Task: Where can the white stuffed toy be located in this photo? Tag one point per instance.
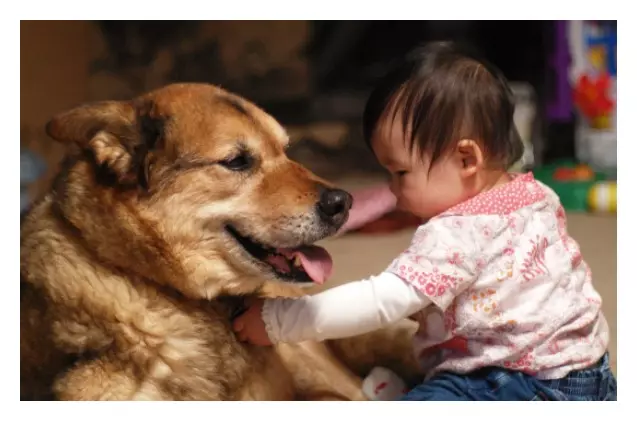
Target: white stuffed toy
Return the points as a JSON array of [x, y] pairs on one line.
[[382, 384]]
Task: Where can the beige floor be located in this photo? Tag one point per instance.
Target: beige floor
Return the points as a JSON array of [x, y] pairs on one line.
[[357, 256]]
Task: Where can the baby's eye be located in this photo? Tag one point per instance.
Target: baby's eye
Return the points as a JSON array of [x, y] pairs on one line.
[[401, 173]]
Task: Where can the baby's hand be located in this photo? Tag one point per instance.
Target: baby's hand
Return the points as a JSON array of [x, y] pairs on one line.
[[250, 327]]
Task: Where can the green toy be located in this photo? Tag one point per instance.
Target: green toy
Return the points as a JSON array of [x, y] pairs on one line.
[[571, 181]]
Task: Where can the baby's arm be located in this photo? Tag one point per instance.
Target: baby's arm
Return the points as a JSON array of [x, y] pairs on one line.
[[348, 310]]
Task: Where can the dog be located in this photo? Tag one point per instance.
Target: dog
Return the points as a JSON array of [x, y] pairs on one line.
[[171, 210]]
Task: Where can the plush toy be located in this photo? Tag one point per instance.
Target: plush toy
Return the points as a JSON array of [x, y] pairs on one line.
[[383, 384]]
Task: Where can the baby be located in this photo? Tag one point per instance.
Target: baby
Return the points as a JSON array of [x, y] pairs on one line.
[[503, 296]]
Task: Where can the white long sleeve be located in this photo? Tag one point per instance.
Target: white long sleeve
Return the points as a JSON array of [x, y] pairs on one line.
[[347, 310]]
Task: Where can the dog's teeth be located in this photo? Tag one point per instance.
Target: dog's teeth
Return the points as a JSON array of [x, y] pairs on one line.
[[297, 261]]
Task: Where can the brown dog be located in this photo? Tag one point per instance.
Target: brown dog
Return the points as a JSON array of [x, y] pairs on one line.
[[176, 205]]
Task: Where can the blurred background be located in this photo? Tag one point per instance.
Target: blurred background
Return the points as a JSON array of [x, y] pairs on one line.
[[314, 77]]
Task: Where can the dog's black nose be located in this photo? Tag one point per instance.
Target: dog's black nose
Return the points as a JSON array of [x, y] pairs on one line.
[[334, 204]]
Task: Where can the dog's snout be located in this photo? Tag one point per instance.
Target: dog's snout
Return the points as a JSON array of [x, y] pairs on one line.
[[334, 205]]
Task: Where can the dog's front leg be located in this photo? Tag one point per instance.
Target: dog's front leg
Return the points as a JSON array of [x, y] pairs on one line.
[[103, 378], [390, 347], [318, 375], [110, 378]]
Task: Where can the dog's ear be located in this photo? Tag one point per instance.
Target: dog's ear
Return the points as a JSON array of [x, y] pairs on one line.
[[118, 135]]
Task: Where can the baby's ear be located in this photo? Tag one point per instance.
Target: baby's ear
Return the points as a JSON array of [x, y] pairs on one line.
[[470, 156]]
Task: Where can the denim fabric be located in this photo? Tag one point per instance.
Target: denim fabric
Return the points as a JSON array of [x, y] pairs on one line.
[[498, 384]]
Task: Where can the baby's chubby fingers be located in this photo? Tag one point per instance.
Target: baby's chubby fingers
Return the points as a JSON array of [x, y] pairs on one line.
[[238, 324], [240, 330]]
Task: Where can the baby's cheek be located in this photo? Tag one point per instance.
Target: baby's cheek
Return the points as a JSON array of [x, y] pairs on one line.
[[401, 206], [406, 204], [423, 203]]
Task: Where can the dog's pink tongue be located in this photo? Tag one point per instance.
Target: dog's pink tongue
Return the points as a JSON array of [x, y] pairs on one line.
[[316, 261]]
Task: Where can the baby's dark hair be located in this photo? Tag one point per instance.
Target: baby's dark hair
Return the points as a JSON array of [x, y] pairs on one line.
[[445, 93]]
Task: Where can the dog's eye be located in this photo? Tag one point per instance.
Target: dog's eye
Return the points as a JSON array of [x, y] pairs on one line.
[[240, 162]]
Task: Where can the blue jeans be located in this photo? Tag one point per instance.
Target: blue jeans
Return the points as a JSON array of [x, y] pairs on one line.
[[498, 384]]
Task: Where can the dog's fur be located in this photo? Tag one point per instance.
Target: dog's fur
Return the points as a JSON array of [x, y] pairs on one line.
[[129, 278]]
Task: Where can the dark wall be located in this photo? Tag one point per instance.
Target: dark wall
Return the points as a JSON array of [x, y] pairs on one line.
[[353, 54]]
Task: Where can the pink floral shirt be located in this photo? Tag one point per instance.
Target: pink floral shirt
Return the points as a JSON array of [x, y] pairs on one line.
[[509, 285]]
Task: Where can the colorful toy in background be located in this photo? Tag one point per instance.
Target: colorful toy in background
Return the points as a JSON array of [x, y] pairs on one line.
[[580, 172], [583, 64], [591, 96], [593, 79], [580, 187], [602, 46], [602, 197], [591, 92]]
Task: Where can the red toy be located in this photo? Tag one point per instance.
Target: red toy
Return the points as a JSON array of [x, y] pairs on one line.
[[591, 97], [580, 172]]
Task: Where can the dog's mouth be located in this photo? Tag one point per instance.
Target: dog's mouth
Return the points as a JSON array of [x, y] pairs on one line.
[[303, 264]]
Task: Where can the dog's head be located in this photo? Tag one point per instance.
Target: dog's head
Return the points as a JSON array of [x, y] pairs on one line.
[[190, 185]]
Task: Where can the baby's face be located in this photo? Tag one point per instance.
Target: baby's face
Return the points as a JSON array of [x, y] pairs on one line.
[[420, 188]]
